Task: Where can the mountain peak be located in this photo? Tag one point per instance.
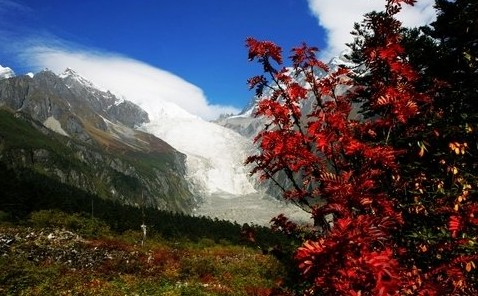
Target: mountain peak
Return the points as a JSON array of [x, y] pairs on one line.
[[70, 74], [342, 60]]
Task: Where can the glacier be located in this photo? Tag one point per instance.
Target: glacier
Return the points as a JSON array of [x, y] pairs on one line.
[[215, 167], [215, 155]]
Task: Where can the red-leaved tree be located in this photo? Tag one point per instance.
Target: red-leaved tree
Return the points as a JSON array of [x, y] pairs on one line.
[[348, 169]]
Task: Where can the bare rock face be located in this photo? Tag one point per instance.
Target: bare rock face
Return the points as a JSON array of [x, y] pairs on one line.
[[70, 99]]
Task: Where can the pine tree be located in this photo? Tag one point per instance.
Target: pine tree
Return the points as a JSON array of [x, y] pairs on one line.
[[441, 186]]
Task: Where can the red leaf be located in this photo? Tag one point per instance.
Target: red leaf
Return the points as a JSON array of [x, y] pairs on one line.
[[264, 49], [454, 225]]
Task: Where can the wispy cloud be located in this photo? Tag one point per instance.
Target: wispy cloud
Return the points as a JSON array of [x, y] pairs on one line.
[[33, 49], [148, 86], [337, 17], [8, 5], [10, 12]]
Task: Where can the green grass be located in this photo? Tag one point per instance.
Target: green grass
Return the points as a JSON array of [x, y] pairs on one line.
[[21, 134]]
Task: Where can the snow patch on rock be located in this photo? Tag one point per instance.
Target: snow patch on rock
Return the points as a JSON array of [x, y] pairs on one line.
[[53, 124]]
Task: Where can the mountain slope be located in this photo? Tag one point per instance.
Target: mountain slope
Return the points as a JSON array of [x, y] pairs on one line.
[[64, 128]]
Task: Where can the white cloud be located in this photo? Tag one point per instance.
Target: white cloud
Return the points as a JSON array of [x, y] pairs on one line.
[[337, 17], [149, 87]]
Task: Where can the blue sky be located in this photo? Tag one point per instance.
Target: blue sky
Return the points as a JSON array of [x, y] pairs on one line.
[[192, 50]]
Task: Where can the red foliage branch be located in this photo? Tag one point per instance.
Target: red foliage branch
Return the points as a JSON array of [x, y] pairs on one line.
[[345, 169]]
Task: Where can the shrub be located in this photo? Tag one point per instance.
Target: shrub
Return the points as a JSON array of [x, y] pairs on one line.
[[74, 222]]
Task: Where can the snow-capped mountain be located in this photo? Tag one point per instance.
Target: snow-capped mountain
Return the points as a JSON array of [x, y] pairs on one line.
[[71, 105], [215, 168], [6, 72]]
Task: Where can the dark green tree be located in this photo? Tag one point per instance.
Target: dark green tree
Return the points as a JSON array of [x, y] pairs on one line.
[[439, 179]]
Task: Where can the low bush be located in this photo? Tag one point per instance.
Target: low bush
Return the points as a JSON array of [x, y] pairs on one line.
[[78, 223]]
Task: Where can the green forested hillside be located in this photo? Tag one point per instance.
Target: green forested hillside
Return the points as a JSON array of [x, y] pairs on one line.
[[32, 152]]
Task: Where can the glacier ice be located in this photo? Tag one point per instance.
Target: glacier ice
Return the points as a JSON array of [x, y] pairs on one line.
[[252, 208], [215, 155], [215, 167]]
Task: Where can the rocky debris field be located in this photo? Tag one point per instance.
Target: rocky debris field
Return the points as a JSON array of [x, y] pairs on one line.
[[47, 246]]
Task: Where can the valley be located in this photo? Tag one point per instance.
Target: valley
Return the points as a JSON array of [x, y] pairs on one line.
[[65, 128]]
